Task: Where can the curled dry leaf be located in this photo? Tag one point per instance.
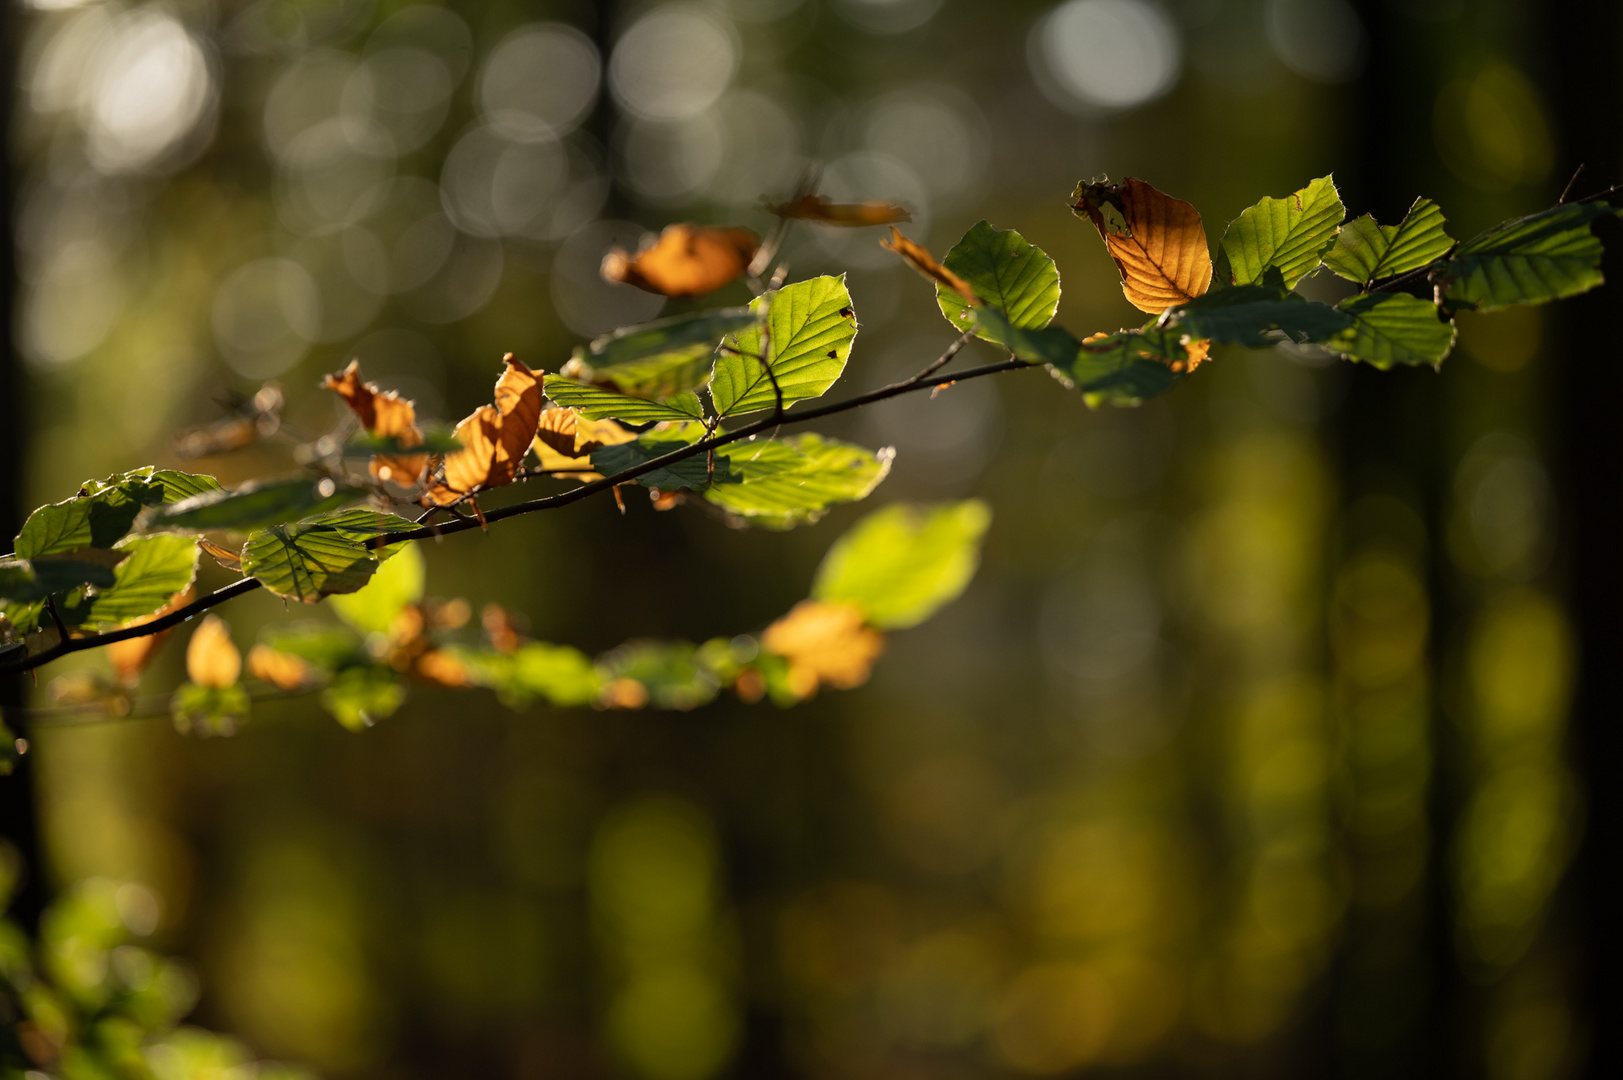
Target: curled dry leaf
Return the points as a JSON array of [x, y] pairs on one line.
[[818, 208], [386, 414], [231, 560], [282, 670], [684, 260], [494, 438], [132, 656], [565, 440], [824, 642], [212, 659], [1158, 242], [922, 261]]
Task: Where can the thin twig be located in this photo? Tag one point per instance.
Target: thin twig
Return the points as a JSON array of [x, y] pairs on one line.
[[939, 362], [1579, 171], [564, 498]]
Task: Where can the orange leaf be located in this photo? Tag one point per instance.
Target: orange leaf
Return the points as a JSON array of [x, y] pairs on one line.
[[684, 260], [211, 658], [825, 643], [255, 418], [1158, 242], [387, 414], [131, 656], [494, 438], [566, 440], [231, 560], [922, 261], [818, 208], [282, 670], [503, 630]]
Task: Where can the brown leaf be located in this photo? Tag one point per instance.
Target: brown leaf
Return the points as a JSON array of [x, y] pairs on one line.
[[824, 643], [684, 260], [442, 669], [494, 438], [282, 670], [1158, 242], [922, 261], [131, 656], [505, 634], [211, 657], [383, 413], [256, 418], [818, 208], [231, 560], [566, 440], [1195, 351]]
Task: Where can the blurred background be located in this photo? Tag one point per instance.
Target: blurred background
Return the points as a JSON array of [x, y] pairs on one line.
[[1250, 752]]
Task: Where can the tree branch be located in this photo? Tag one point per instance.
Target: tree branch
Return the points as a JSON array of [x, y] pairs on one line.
[[923, 380]]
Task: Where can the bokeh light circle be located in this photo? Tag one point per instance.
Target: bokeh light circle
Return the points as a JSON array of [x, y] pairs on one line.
[[673, 63], [1105, 55], [540, 80]]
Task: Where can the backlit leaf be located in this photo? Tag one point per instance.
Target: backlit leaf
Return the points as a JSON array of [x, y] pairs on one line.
[[1393, 328], [257, 504], [494, 439], [595, 403], [281, 670], [1035, 345], [383, 414], [105, 510], [209, 710], [1157, 242], [781, 483], [26, 580], [692, 472], [212, 658], [811, 329], [1017, 278], [565, 440], [131, 656], [657, 359], [319, 557], [1365, 251], [359, 697], [665, 674], [920, 259], [536, 671], [1531, 260], [1246, 314], [158, 567], [1290, 235], [903, 563], [825, 642], [684, 260]]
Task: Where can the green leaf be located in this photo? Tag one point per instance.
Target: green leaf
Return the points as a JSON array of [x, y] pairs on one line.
[[903, 563], [319, 557], [398, 582], [1531, 260], [812, 328], [24, 580], [1365, 251], [1126, 368], [24, 616], [536, 671], [104, 511], [692, 473], [1289, 235], [1010, 274], [668, 670], [1035, 345], [1244, 314], [1393, 328], [781, 483], [595, 403], [209, 710], [359, 697], [158, 567], [657, 359], [257, 504]]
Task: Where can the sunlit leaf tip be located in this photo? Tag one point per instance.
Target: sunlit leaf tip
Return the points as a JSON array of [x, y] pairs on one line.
[[1288, 235], [1157, 242], [920, 259]]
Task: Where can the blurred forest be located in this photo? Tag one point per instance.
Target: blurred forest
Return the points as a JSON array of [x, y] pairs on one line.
[[1250, 752]]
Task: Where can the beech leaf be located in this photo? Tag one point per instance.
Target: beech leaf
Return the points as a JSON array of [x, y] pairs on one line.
[[920, 259], [1157, 242], [384, 414], [812, 326], [1365, 251], [684, 260], [1289, 235], [903, 563], [1393, 328], [823, 211], [1016, 277], [494, 439]]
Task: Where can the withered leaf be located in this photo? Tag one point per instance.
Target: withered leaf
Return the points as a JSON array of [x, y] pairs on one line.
[[922, 261], [1157, 242], [231, 560], [819, 208], [252, 419], [825, 642], [383, 413], [565, 441], [684, 260], [494, 438], [282, 670], [212, 659]]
